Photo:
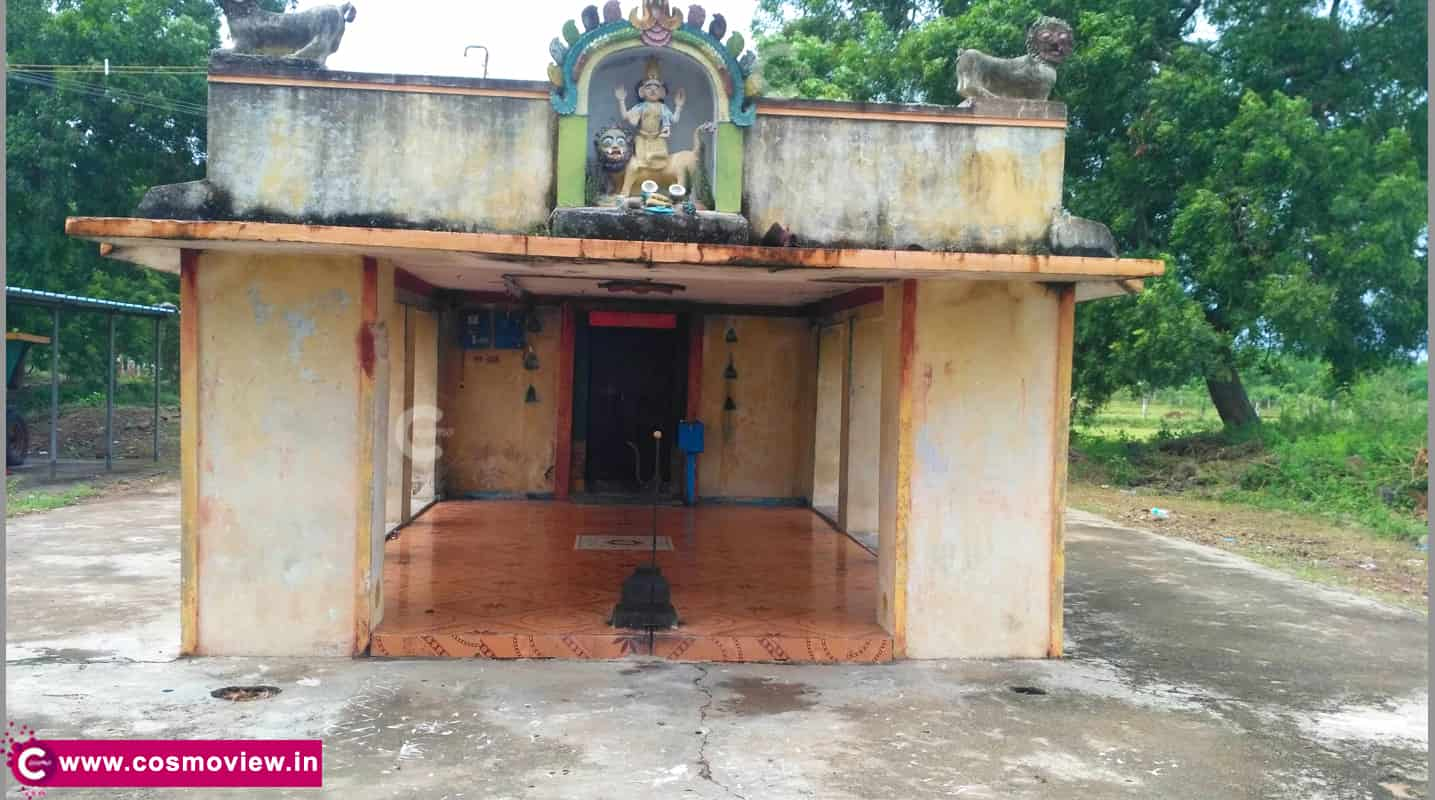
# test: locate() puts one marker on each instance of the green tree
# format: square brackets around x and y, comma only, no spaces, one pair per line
[84,143]
[1278,165]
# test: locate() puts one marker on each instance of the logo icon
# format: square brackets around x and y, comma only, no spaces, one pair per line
[30,761]
[417,433]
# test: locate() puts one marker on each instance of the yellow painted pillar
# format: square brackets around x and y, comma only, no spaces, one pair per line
[285,387]
[862,439]
[975,395]
[831,389]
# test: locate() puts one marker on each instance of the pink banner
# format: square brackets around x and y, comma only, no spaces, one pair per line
[193,763]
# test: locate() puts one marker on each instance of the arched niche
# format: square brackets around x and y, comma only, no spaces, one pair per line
[706,98]
[716,72]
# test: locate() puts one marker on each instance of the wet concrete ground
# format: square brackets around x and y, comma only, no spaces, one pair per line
[1191,674]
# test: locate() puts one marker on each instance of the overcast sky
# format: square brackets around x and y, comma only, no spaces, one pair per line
[427,37]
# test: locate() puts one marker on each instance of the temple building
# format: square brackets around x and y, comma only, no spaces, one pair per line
[460,356]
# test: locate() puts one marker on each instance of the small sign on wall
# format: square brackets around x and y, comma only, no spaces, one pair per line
[476,330]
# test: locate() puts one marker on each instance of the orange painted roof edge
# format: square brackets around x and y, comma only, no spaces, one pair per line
[180,234]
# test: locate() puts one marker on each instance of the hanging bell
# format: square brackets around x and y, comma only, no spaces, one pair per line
[532,395]
[731,372]
[729,405]
[731,335]
[530,359]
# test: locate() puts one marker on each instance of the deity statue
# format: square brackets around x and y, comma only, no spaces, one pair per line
[653,122]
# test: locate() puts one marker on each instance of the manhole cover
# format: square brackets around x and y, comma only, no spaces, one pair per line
[243,694]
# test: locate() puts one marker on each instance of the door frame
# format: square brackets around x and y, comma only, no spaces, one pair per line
[564,467]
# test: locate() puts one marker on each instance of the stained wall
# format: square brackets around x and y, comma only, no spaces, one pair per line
[762,449]
[426,420]
[858,510]
[894,185]
[407,155]
[969,457]
[284,463]
[827,446]
[495,441]
[398,408]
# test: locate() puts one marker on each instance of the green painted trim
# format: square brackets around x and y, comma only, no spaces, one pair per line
[572,161]
[727,194]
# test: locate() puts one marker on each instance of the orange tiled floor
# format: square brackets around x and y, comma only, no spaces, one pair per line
[501,579]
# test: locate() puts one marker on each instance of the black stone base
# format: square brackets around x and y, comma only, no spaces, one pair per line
[646,603]
[637,225]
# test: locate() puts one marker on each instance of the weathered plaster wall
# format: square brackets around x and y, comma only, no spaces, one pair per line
[426,422]
[864,433]
[394,484]
[383,157]
[379,315]
[968,465]
[932,185]
[498,442]
[763,448]
[280,453]
[827,444]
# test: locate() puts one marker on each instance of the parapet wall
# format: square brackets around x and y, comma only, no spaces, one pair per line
[290,143]
[295,143]
[983,177]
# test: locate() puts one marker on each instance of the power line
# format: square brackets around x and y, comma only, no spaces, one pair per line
[107,92]
[112,68]
[113,94]
[53,80]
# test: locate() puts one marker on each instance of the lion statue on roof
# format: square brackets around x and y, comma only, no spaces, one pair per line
[1049,42]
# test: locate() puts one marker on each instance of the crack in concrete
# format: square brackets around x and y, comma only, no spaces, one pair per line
[705,769]
[46,661]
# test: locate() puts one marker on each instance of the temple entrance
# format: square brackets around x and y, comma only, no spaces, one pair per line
[636,383]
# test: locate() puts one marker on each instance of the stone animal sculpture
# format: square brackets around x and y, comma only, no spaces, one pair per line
[1049,42]
[683,167]
[1077,236]
[312,34]
[614,149]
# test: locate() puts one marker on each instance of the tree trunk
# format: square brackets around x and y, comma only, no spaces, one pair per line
[1228,395]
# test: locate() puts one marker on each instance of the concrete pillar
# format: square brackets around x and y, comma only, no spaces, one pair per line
[284,383]
[831,386]
[425,432]
[396,428]
[975,397]
[858,492]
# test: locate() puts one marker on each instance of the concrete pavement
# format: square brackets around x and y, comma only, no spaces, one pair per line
[1191,673]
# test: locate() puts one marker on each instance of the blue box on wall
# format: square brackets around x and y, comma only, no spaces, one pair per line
[690,436]
[508,330]
[476,329]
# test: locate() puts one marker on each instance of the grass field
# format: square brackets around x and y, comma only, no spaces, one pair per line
[1124,418]
[1363,463]
[28,501]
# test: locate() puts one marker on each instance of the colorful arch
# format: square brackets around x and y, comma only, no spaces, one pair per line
[730,66]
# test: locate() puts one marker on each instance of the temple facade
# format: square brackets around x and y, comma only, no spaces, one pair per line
[458,355]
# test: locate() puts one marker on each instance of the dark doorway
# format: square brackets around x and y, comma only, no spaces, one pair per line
[637,383]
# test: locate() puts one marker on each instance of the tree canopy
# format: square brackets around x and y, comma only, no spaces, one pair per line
[1273,153]
[82,142]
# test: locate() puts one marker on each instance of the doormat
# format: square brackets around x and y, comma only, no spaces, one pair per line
[591,541]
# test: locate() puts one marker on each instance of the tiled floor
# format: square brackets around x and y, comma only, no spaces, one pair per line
[501,579]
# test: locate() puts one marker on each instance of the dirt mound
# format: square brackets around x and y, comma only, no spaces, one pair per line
[82,432]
